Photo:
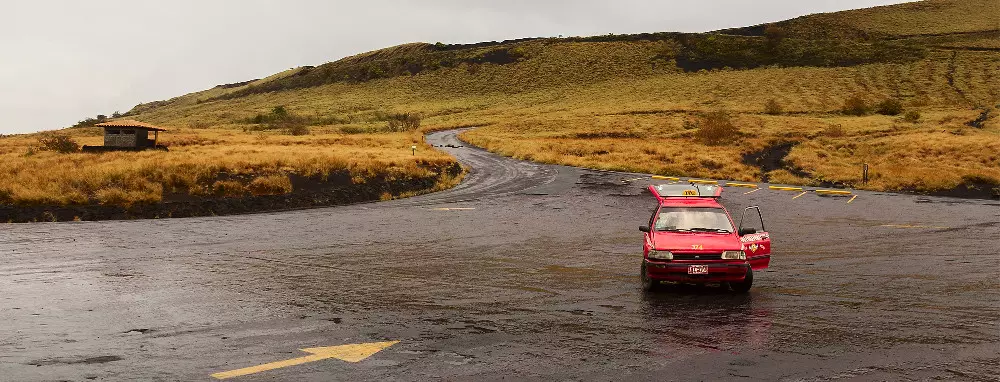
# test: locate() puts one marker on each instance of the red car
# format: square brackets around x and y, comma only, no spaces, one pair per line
[691,238]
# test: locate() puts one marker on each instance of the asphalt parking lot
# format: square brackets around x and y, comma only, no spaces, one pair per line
[525,272]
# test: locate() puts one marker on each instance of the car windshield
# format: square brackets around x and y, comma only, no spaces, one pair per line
[693,220]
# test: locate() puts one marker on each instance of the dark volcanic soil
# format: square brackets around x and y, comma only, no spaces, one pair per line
[522,272]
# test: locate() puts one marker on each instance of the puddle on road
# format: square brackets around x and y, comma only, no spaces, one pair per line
[74,361]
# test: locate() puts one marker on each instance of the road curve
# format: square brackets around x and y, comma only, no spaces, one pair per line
[524,271]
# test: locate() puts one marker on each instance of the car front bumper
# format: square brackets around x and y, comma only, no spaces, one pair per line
[678,271]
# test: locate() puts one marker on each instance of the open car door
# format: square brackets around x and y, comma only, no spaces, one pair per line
[756,241]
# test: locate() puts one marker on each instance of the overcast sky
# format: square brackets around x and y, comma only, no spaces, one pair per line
[63,61]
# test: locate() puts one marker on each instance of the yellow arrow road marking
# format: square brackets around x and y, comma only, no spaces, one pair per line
[852,199]
[349,353]
[799,195]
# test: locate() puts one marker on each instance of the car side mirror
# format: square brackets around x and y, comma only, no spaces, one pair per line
[747,231]
[644,228]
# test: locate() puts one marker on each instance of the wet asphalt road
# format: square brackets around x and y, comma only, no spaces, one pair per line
[532,275]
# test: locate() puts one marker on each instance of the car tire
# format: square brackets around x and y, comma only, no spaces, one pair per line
[745,285]
[648,284]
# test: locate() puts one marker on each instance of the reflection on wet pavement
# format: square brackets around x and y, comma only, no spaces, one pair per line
[538,281]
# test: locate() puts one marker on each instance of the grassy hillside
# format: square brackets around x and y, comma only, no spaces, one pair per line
[910,89]
[921,18]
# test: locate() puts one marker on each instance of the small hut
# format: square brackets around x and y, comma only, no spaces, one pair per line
[128,135]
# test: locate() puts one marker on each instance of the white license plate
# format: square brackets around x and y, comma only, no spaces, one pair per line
[698,270]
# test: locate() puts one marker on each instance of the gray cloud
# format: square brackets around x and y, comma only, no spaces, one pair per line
[66,60]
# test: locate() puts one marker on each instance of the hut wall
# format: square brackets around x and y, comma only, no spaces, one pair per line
[142,138]
[120,139]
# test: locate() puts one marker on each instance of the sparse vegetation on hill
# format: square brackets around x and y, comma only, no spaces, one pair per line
[894,87]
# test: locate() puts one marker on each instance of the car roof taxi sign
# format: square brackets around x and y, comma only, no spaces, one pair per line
[664,191]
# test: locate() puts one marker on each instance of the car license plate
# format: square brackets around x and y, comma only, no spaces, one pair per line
[698,270]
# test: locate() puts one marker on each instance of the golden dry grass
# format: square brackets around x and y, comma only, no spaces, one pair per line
[609,105]
[908,19]
[194,164]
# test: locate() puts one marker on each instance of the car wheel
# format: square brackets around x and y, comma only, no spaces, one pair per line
[743,286]
[648,284]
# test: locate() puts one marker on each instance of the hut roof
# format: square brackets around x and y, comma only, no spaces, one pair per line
[132,124]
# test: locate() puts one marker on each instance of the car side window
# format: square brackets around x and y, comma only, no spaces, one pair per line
[752,219]
[652,217]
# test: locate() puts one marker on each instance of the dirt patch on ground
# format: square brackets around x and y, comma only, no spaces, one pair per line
[772,158]
[337,189]
[973,189]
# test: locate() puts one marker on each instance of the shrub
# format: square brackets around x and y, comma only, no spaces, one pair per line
[834,131]
[912,116]
[6,196]
[355,130]
[89,122]
[772,107]
[298,129]
[229,188]
[271,185]
[889,106]
[58,143]
[112,196]
[856,105]
[774,34]
[717,128]
[404,122]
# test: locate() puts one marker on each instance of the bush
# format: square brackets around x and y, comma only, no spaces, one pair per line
[834,131]
[298,130]
[856,105]
[229,188]
[6,196]
[404,122]
[89,122]
[772,107]
[271,185]
[356,130]
[912,116]
[280,118]
[58,143]
[717,128]
[889,106]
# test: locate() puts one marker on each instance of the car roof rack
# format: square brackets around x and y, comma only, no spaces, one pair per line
[680,190]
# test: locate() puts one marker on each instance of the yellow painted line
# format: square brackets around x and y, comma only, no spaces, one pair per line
[912,226]
[744,185]
[349,353]
[780,188]
[800,195]
[750,192]
[833,192]
[454,209]
[633,180]
[660,177]
[852,199]
[703,181]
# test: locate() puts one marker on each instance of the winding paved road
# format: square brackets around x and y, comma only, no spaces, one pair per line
[525,272]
